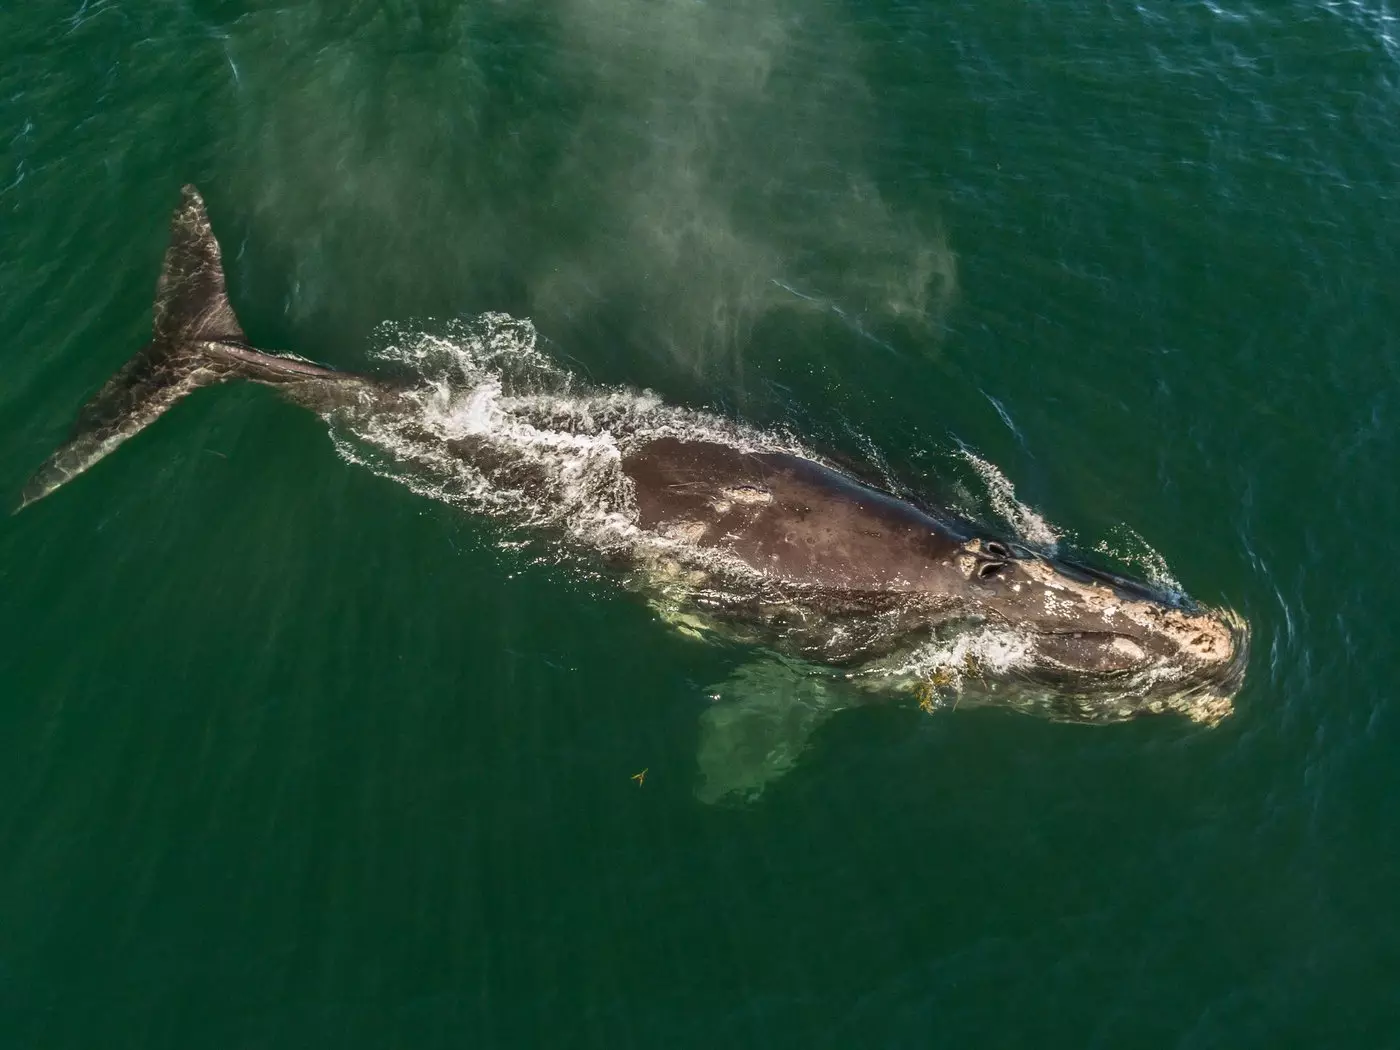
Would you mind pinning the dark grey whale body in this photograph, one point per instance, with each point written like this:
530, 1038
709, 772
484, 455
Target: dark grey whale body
809, 523
762, 544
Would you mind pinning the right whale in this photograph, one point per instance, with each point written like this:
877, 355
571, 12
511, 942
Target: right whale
848, 591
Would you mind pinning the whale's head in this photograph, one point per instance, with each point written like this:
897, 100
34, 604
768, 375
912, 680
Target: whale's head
1107, 648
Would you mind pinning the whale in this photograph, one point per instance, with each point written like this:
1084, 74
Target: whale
844, 592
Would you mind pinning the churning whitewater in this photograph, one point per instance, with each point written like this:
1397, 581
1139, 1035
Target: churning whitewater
550, 450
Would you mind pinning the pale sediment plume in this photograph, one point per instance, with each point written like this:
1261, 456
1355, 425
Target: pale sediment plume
742, 187
687, 170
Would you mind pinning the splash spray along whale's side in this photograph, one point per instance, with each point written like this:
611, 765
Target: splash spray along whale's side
726, 529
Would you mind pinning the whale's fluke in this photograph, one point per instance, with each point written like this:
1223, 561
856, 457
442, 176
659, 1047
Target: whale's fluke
196, 341
191, 308
191, 300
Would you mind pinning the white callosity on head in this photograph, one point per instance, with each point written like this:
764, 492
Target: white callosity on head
1128, 647
1201, 636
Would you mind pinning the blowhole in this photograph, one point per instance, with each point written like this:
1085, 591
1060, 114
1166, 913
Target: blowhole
989, 570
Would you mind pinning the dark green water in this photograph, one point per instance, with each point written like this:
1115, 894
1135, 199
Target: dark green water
290, 756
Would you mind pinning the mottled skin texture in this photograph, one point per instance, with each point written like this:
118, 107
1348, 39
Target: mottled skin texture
784, 550
830, 551
790, 518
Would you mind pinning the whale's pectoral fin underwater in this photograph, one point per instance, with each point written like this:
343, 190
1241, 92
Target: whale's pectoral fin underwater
196, 341
759, 723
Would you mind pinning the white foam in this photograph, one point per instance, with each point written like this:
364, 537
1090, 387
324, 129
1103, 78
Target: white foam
1130, 548
497, 428
1001, 493
996, 650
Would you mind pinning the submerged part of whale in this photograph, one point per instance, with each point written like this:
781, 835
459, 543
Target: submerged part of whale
727, 530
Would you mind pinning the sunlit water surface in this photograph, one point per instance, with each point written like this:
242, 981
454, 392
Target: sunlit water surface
292, 754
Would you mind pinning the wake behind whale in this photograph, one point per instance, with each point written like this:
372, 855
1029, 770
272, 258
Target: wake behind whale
547, 449
845, 591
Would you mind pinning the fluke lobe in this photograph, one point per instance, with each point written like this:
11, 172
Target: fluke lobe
850, 592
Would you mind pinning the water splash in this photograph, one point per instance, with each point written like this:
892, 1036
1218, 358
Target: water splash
1001, 493
1128, 546
495, 427
996, 649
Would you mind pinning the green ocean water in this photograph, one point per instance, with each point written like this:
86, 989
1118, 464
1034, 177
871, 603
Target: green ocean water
291, 756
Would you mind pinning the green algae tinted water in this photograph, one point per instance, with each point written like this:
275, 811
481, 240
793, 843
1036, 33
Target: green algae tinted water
291, 756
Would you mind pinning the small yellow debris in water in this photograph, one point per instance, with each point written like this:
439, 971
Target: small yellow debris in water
925, 691
641, 778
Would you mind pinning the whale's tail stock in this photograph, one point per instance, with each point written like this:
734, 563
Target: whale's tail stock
196, 341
